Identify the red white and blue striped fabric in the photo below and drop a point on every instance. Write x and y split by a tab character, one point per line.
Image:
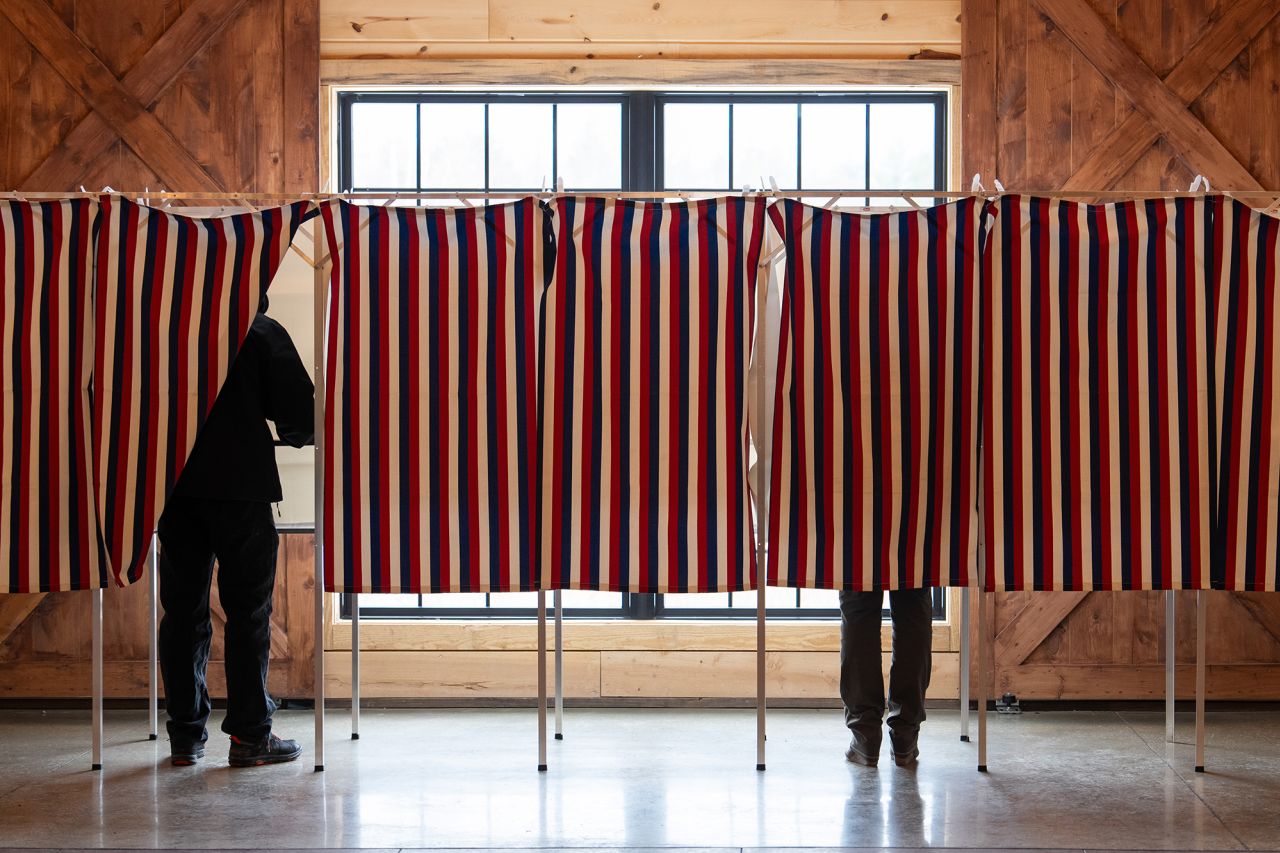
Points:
647	340
49	532
1097	396
1246	275
175	298
874	456
430	423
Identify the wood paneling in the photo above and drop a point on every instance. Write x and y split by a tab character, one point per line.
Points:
617	29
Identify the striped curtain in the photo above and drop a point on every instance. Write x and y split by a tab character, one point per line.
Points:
1096	402
49	533
429	433
647	341
175	298
1246	273
874	453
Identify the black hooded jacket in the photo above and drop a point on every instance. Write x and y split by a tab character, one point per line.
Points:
234	457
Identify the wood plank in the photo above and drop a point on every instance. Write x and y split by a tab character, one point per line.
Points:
978	62
602	635
743	20
1011	94
790	675
122	679
638	74
1048	118
1032	624
85	73
393	675
1104	48
403	20
14	610
1220	44
1248	682
301	59
298	567
581	51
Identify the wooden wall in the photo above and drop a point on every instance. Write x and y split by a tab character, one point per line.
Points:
178	94
1135	95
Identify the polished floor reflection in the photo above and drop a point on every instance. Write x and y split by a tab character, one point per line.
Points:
649	778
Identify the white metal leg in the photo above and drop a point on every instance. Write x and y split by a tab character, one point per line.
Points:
153	686
318	317
542	680
559	605
984	675
1201	637
1170	665
760	673
355	667
965	663
96	687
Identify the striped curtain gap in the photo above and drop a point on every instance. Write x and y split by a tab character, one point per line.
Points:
1097	388
430	422
175	298
874	453
648	336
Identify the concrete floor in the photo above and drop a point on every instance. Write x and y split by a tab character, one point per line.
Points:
649	778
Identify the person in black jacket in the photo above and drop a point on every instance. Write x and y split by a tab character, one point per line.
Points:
221	509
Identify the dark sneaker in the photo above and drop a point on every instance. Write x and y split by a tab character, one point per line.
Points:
862	751
185	754
905	750
269	750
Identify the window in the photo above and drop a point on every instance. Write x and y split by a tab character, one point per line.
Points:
499	141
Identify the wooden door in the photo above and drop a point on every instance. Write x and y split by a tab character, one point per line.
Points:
1124	94
187	95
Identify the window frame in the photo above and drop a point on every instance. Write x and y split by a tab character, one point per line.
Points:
642	154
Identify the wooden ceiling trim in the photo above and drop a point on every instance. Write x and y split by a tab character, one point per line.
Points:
1104	48
147	81
639	73
1217	48
85	73
1033	623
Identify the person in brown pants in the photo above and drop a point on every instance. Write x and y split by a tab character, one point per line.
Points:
862	682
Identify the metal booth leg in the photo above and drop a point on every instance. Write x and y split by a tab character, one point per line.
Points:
355	667
559	605
542	681
1202	602
97	679
965	662
984	676
153	686
1170	665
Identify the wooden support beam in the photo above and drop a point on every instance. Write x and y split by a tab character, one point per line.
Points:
14	610
146	81
978	70
1033	624
107	95
1216	48
301	107
1103	47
